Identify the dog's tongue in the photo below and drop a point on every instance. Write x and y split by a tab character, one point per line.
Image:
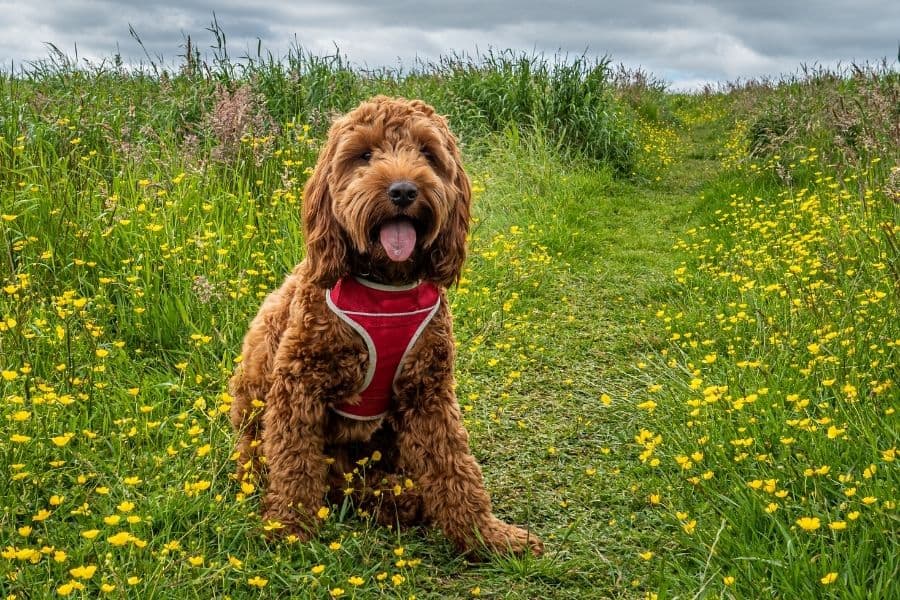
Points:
398	239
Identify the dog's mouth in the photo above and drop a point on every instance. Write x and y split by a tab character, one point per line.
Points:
398	238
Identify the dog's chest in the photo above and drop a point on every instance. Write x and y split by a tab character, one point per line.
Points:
389	320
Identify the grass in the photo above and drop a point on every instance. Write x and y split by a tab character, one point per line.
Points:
141	227
775	399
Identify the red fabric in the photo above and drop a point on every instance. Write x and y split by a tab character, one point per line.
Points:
390	318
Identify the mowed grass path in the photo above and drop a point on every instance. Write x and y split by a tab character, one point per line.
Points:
561	454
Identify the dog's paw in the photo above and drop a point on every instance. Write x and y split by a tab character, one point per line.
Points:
504	538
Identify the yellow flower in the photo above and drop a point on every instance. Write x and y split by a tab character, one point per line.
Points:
728	580
649	405
690	526
809	523
356	580
838	525
336	592
646	555
90	534
273	525
41	515
834	432
258	581
62	440
323	513
125	506
133	580
119	539
335	545
318	569
67	588
106	588
829	578
195	561
83	572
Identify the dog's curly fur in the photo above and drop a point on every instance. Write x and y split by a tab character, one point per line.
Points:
300	359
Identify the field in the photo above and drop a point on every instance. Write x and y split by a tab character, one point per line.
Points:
678	329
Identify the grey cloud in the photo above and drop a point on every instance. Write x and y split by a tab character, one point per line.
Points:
686	42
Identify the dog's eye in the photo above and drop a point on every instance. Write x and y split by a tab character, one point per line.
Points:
366	156
427	154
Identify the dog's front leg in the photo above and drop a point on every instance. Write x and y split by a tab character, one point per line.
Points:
434	447
293	445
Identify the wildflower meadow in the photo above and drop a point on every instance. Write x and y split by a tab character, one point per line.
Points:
678	329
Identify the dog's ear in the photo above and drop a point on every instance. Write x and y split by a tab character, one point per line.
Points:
326	248
449	251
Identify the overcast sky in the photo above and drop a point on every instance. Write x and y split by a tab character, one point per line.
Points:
685	42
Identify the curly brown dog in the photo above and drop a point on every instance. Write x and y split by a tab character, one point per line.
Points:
346	385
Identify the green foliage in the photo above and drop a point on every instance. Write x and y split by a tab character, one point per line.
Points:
571	103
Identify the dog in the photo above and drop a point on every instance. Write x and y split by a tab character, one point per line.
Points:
346	383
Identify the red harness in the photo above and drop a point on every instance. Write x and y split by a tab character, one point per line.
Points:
389	319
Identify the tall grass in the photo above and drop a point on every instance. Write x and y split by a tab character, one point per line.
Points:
570	101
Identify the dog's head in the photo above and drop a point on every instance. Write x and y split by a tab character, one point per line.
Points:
388	197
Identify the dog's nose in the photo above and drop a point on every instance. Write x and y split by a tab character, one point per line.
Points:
403	193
